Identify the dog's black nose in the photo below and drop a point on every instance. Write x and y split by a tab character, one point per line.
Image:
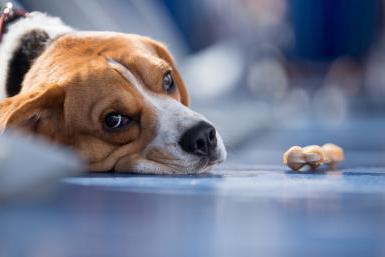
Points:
200	140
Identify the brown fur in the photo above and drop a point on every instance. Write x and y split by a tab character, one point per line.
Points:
70	88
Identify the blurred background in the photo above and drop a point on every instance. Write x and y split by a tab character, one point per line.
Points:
270	74
256	65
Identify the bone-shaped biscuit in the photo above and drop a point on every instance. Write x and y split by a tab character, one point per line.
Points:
313	155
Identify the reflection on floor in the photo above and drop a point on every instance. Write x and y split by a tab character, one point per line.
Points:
231	212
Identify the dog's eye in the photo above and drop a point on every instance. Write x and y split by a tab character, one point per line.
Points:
168	83
115	120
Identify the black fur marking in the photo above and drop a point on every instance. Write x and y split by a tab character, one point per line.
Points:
32	44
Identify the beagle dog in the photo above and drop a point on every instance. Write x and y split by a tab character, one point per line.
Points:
117	99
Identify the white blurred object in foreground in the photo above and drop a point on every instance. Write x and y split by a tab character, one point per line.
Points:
28	166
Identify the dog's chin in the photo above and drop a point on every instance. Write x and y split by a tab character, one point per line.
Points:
201	165
151	166
197	167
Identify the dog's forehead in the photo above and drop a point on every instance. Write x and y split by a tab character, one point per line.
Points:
88	51
83	53
101	42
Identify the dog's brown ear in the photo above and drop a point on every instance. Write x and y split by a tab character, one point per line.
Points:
39	111
163	53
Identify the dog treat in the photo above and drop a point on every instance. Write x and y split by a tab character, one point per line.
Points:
333	153
313	155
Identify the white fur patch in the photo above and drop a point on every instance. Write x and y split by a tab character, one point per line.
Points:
51	25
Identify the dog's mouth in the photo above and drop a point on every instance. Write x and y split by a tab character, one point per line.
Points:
162	161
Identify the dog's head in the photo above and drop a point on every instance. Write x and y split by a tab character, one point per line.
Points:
119	100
